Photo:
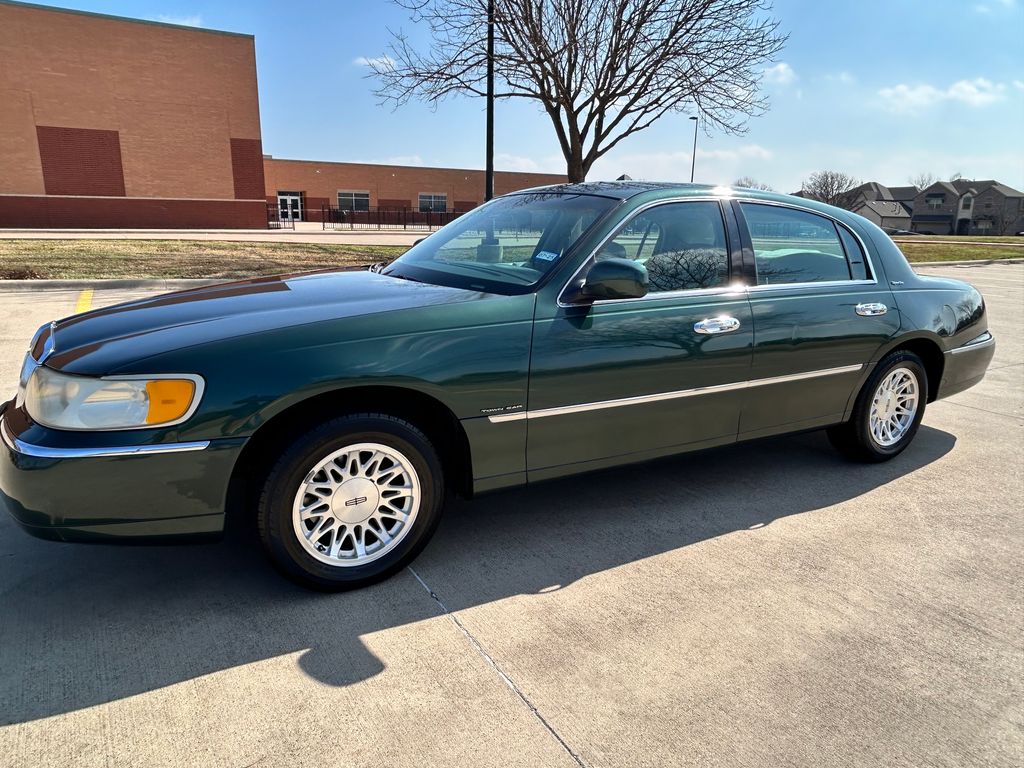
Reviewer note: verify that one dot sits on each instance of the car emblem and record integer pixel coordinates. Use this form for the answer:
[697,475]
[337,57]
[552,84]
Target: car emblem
[354,502]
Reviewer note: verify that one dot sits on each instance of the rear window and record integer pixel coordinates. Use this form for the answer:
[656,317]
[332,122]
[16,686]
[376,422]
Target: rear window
[793,246]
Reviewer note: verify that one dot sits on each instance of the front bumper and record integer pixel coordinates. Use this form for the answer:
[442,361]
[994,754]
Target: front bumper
[966,365]
[106,493]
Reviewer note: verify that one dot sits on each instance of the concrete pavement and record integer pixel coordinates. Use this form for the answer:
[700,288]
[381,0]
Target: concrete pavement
[760,605]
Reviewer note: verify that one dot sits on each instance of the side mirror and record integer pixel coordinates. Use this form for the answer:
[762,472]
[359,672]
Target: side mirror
[614,279]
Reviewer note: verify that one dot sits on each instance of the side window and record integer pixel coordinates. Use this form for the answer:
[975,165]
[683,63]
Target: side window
[682,246]
[792,246]
[855,255]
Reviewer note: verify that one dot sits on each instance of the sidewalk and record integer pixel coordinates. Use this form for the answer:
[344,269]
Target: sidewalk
[304,232]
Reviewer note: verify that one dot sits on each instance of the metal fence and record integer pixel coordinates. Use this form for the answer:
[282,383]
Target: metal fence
[275,220]
[385,218]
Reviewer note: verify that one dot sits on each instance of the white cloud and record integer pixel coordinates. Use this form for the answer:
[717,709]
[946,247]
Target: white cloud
[506,162]
[987,8]
[405,160]
[383,62]
[913,98]
[187,20]
[714,166]
[1019,85]
[780,74]
[844,78]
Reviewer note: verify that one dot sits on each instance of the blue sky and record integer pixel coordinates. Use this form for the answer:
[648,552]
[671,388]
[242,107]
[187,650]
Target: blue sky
[878,89]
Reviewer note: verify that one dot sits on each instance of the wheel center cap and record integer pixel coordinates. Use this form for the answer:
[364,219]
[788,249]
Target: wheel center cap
[355,500]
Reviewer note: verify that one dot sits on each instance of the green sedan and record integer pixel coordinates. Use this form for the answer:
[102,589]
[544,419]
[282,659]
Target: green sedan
[549,332]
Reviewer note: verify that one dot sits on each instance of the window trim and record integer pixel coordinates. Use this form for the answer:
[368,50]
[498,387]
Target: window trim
[756,288]
[419,201]
[353,192]
[732,287]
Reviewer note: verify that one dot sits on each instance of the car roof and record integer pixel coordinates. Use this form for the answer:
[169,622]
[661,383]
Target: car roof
[624,190]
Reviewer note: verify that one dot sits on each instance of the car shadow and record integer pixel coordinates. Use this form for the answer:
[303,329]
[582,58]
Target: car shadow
[83,625]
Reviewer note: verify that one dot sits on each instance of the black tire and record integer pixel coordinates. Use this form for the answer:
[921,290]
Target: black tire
[854,438]
[282,543]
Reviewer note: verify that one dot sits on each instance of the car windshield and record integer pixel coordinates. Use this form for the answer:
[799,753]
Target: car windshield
[505,246]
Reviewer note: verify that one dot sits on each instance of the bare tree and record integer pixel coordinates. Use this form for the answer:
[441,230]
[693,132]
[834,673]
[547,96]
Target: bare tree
[923,180]
[956,176]
[749,182]
[832,187]
[601,70]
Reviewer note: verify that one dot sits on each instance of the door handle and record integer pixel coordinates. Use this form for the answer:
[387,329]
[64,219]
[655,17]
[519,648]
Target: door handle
[871,309]
[721,324]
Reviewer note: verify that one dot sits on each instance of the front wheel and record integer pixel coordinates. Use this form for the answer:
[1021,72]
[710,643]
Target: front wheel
[888,410]
[351,502]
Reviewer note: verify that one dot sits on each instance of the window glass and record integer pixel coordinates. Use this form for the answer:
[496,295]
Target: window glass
[505,246]
[430,202]
[354,201]
[855,255]
[682,246]
[792,246]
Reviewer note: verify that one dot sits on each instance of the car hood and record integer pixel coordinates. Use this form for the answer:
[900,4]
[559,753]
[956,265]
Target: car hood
[99,341]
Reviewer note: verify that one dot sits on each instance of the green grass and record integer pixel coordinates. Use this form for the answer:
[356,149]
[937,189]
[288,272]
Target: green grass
[105,259]
[962,238]
[922,250]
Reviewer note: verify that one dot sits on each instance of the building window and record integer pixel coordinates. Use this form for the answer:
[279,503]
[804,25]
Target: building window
[430,202]
[354,201]
[983,224]
[965,204]
[935,201]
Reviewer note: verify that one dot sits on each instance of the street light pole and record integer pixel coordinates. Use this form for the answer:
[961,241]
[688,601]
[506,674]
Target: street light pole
[489,181]
[693,159]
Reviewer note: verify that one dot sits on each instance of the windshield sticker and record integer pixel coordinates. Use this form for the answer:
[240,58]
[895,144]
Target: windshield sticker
[546,256]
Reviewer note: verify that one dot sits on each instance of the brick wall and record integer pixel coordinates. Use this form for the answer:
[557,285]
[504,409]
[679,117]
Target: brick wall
[391,185]
[100,106]
[80,161]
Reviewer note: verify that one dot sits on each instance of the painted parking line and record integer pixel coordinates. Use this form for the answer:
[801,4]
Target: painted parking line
[84,303]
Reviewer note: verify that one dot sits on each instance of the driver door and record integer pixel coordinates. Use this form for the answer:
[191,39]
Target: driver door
[628,379]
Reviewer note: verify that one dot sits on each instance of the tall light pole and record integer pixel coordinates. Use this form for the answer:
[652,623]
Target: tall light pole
[693,159]
[489,181]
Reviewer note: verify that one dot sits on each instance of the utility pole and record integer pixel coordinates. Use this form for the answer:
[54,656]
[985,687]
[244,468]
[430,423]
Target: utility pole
[693,159]
[489,182]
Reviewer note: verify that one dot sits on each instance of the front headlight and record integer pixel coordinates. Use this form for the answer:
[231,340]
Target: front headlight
[61,401]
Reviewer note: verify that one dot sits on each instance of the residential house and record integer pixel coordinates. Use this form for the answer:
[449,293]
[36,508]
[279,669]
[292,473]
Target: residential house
[888,214]
[935,209]
[968,207]
[904,196]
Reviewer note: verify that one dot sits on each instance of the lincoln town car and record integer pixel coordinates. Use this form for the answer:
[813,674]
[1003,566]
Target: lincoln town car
[548,332]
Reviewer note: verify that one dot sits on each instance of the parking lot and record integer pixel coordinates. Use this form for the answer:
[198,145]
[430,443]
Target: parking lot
[766,604]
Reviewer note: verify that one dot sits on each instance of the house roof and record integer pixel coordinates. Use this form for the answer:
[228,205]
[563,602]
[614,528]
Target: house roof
[903,194]
[886,208]
[872,190]
[941,186]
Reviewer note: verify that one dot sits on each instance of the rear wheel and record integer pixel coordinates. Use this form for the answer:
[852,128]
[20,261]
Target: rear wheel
[888,410]
[351,502]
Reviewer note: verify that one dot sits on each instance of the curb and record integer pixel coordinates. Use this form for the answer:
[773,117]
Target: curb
[966,262]
[67,285]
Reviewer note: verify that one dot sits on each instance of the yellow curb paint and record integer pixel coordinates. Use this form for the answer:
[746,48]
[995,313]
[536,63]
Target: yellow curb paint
[84,303]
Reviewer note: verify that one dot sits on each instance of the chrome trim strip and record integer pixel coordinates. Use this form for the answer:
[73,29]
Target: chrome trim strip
[42,452]
[985,340]
[643,399]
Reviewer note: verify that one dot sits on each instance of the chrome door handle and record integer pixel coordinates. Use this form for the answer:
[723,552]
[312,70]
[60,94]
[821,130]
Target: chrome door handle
[873,308]
[722,324]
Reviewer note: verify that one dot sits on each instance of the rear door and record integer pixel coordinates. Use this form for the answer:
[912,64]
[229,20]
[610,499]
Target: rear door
[820,314]
[628,378]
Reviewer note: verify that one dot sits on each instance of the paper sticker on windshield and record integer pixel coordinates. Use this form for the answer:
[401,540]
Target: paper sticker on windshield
[546,256]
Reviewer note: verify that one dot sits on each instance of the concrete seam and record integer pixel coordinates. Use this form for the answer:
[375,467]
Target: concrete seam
[498,670]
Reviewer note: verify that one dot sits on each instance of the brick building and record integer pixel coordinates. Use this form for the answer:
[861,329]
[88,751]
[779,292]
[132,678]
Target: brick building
[109,122]
[114,122]
[302,188]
